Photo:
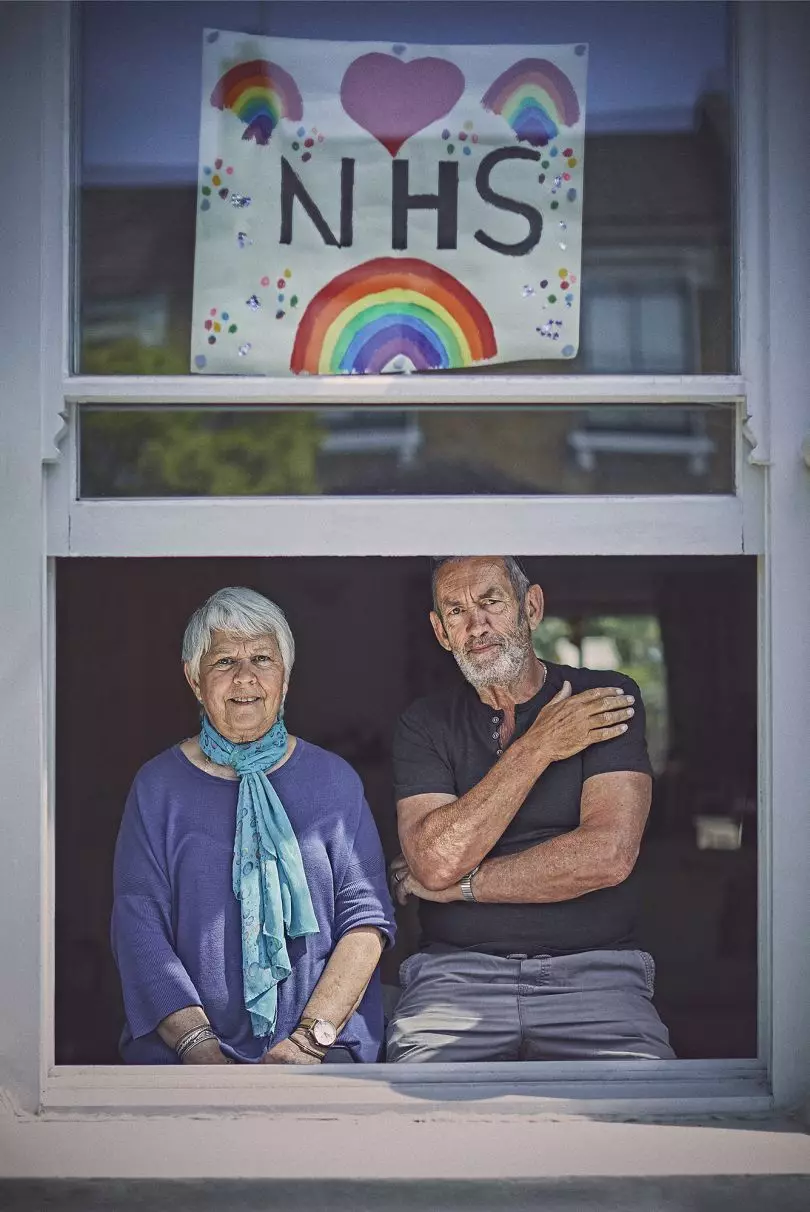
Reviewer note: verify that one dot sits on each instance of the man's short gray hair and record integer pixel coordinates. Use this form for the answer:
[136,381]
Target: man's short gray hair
[517,577]
[242,612]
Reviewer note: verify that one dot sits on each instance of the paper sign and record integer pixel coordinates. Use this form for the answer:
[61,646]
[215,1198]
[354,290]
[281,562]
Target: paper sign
[366,207]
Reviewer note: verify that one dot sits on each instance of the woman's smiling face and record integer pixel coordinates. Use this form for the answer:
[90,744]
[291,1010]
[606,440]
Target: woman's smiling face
[241,685]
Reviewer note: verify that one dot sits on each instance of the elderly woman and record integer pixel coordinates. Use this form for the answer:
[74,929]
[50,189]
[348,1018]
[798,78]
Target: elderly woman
[251,905]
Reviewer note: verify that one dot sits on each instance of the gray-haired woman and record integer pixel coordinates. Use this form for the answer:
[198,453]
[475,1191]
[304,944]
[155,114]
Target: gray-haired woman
[250,905]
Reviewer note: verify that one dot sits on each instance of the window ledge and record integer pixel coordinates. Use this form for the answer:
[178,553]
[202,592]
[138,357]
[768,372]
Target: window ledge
[550,1090]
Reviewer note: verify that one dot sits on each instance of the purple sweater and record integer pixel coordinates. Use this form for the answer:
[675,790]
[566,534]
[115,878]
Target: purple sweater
[176,931]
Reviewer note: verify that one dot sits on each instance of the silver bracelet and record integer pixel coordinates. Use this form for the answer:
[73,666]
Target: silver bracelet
[197,1035]
[190,1035]
[465,884]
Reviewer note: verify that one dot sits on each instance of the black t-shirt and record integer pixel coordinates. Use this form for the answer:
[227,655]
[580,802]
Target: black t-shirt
[447,743]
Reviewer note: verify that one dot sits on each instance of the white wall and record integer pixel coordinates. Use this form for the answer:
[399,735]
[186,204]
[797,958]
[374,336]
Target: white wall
[36,1146]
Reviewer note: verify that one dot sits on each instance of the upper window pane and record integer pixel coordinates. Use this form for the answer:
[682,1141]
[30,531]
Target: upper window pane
[654,289]
[434,451]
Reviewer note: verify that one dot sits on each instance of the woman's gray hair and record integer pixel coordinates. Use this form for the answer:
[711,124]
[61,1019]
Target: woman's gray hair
[243,612]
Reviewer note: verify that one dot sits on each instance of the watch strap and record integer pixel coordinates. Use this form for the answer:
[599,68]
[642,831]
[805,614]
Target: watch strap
[465,885]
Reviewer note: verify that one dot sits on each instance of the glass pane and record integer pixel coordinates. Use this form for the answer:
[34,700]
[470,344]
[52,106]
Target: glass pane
[165,452]
[684,628]
[656,224]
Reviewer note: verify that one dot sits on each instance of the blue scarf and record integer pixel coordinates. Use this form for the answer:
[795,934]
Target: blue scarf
[268,874]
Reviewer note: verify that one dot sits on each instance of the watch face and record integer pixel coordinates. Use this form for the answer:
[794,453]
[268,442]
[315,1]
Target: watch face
[324,1033]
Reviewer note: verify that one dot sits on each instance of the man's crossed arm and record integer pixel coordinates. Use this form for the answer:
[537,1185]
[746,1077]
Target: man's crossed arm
[443,838]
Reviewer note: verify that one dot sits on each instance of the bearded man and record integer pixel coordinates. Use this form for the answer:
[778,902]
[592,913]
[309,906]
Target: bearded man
[522,797]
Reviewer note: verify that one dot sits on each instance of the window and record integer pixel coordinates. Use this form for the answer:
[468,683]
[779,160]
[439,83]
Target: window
[133,320]
[684,629]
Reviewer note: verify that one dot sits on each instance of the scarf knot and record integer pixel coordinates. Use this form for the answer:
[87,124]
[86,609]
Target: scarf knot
[268,874]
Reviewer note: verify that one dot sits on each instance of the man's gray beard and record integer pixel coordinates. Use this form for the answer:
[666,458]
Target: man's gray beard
[503,669]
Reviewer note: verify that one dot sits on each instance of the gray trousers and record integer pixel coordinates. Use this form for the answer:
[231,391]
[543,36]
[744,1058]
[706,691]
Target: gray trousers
[461,1005]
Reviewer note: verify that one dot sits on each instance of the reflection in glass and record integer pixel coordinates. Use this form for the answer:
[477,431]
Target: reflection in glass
[165,452]
[656,270]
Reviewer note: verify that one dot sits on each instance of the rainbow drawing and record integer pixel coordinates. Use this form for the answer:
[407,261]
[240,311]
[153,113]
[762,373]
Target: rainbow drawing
[387,308]
[536,98]
[260,93]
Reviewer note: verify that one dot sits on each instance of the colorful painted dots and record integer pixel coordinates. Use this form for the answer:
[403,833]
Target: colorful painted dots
[216,176]
[282,284]
[306,142]
[462,139]
[217,324]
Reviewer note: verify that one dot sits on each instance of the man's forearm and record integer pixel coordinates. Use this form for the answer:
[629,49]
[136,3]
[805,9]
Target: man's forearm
[560,869]
[455,837]
[345,978]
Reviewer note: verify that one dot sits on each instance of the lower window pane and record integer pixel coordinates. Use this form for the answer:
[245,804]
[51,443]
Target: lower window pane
[683,628]
[188,452]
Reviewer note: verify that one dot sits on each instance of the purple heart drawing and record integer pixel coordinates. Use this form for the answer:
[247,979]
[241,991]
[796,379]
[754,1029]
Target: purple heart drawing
[393,100]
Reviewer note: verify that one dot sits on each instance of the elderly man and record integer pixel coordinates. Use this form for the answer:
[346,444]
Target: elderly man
[521,801]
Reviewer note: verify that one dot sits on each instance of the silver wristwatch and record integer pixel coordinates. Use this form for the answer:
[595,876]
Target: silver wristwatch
[466,885]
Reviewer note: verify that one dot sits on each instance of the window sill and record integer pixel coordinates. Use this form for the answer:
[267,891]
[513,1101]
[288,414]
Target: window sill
[550,1090]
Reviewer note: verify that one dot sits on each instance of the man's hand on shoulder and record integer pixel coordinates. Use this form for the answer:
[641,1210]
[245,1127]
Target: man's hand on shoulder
[570,722]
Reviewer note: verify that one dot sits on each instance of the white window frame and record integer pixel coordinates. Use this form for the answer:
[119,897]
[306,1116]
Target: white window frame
[760,518]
